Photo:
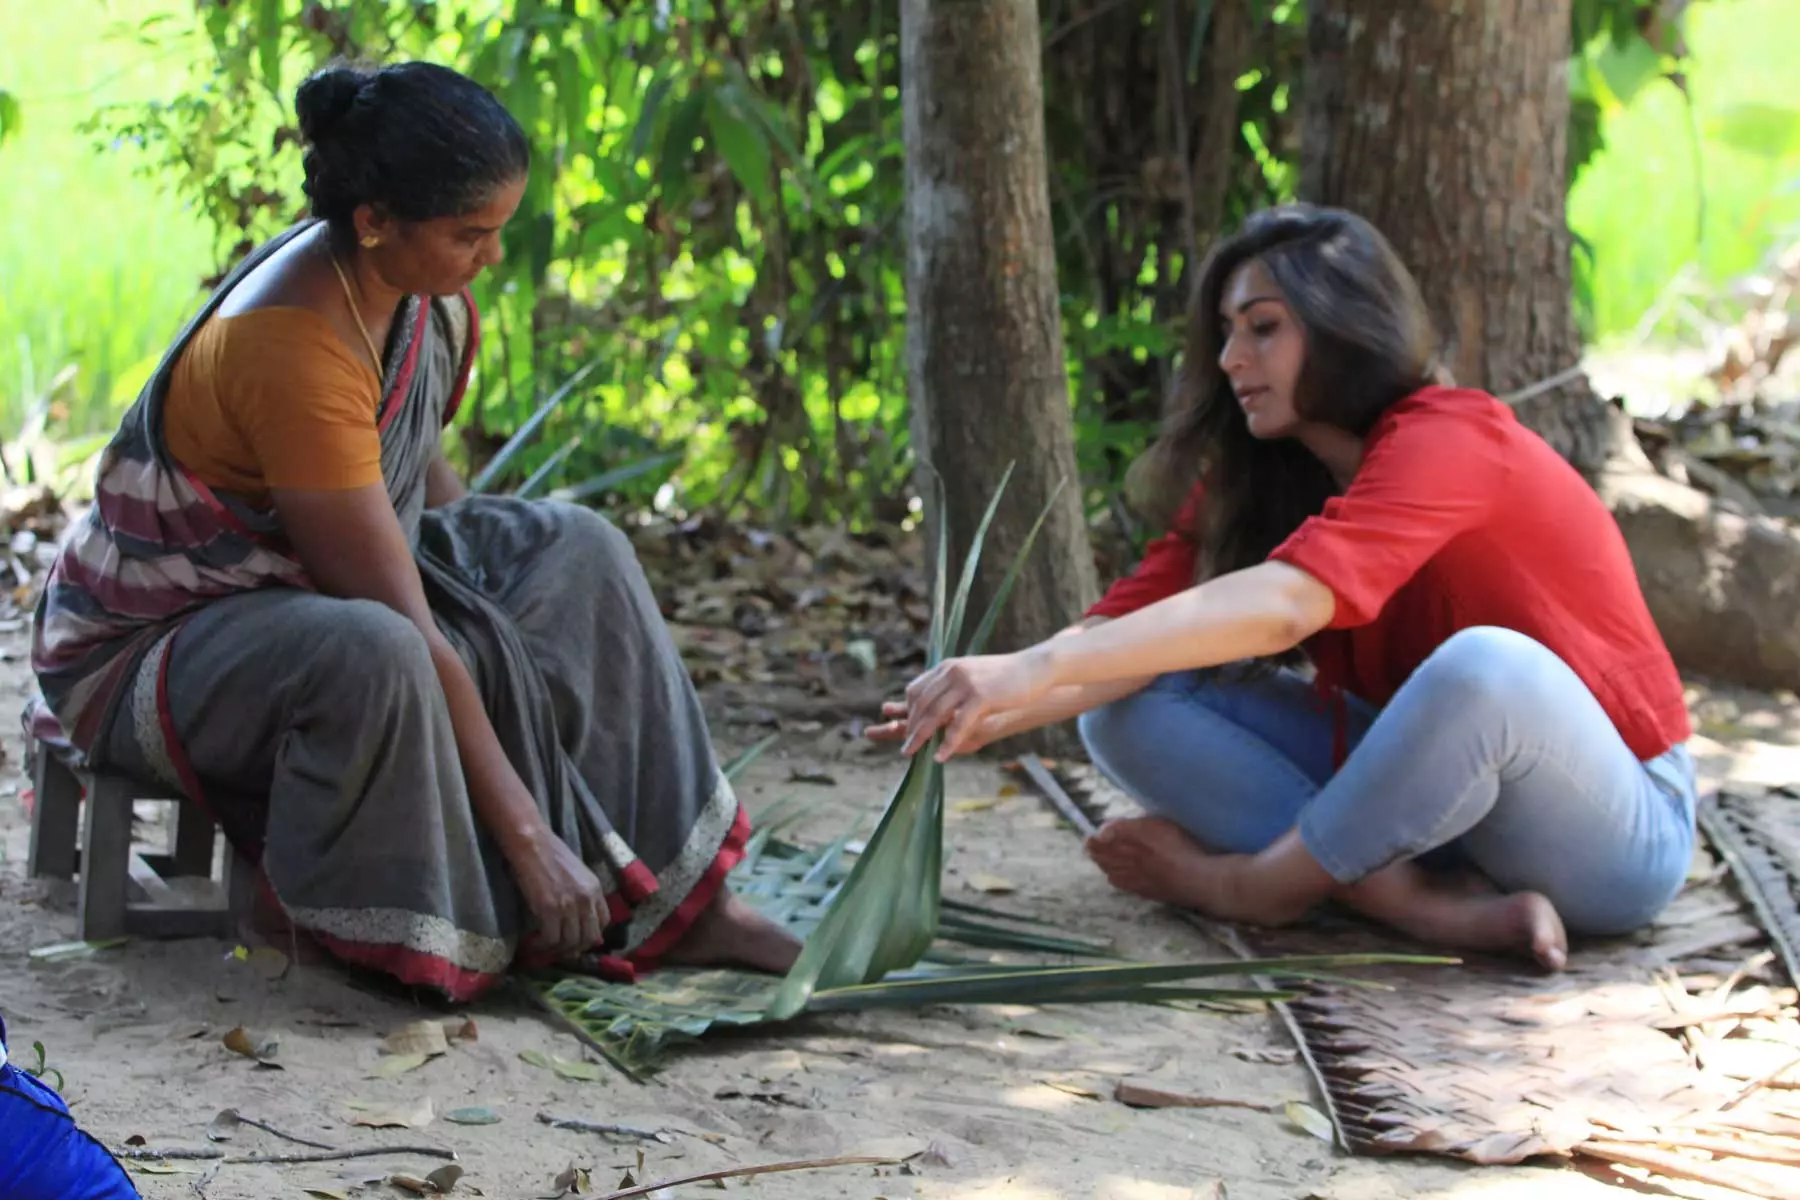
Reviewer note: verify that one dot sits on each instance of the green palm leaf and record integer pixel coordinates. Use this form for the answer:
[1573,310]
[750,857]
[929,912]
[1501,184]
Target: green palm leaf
[874,924]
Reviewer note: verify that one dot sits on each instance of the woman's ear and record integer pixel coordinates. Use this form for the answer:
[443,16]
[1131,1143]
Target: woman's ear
[373,226]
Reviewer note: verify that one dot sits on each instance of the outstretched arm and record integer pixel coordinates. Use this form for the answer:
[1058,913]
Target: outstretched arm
[1258,611]
[1059,704]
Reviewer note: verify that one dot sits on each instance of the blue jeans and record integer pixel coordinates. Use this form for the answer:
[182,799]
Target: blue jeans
[1493,752]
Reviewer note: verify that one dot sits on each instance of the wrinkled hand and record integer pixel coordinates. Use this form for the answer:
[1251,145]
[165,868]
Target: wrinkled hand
[965,696]
[564,896]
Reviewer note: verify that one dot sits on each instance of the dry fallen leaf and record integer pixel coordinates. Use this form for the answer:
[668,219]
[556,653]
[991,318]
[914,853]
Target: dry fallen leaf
[223,1126]
[445,1178]
[585,1072]
[574,1181]
[399,1064]
[993,885]
[269,964]
[440,1182]
[407,1114]
[421,1037]
[260,1047]
[978,805]
[461,1029]
[324,1193]
[1310,1120]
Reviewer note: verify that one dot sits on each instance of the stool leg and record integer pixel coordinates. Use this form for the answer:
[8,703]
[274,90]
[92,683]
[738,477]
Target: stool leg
[106,860]
[56,822]
[193,850]
[240,892]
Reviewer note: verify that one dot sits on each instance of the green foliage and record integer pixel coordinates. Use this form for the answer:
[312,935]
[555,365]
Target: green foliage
[10,116]
[713,223]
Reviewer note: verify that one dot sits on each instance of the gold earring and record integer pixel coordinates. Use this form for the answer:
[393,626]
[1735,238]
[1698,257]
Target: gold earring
[370,242]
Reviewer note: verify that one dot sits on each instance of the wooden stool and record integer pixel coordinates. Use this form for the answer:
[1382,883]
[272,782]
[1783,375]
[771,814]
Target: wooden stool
[122,892]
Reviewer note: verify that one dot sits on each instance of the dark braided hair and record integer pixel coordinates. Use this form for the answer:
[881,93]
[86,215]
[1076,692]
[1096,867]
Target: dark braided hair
[415,140]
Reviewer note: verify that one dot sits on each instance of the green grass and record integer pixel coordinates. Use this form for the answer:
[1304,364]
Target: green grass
[1638,202]
[98,266]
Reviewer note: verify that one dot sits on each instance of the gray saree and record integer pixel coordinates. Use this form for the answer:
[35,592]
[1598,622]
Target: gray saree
[179,639]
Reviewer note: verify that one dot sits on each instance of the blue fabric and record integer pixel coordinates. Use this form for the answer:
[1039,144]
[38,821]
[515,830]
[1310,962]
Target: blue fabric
[1493,753]
[44,1155]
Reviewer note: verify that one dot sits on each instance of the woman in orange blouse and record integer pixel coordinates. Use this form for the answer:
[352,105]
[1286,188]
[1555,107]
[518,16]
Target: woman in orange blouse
[452,729]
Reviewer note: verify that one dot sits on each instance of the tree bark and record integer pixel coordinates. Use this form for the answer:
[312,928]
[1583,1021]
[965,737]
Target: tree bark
[1446,127]
[984,335]
[1444,123]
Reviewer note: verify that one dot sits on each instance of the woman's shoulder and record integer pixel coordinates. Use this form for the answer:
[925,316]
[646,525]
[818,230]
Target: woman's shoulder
[1448,411]
[292,341]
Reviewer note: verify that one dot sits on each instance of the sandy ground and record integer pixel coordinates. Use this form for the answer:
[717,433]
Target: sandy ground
[136,1034]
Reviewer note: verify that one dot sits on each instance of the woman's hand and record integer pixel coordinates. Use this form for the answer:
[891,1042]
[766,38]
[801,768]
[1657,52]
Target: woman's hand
[562,893]
[967,696]
[893,728]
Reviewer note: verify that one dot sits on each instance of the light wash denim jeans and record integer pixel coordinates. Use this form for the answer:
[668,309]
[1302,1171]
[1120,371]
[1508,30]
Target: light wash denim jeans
[1493,753]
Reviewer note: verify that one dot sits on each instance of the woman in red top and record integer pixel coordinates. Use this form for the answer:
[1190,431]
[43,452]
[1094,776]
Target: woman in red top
[1488,688]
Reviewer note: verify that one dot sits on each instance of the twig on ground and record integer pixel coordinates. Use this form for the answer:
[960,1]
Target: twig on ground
[153,1154]
[1756,1085]
[811,1164]
[241,1119]
[581,1126]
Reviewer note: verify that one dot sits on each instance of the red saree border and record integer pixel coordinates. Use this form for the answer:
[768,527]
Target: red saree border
[649,954]
[414,968]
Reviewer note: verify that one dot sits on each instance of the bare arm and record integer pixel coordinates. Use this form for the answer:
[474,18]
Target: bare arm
[352,546]
[1258,611]
[1261,610]
[1059,704]
[442,483]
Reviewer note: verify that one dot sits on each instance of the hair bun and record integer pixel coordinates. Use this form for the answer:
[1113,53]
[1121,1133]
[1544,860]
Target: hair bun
[325,99]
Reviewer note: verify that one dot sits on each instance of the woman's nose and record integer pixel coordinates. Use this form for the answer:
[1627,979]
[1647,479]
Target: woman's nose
[1231,355]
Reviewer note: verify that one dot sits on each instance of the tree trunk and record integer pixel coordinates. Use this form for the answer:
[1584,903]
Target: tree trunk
[1446,127]
[984,336]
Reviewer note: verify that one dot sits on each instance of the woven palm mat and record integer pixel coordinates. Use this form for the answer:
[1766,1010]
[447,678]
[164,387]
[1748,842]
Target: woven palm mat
[1674,1054]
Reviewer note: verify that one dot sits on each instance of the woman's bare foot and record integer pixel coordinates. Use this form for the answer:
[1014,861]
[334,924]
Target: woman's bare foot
[1406,897]
[731,933]
[1156,859]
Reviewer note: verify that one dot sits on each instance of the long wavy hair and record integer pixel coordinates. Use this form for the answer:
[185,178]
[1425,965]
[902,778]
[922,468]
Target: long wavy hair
[1368,344]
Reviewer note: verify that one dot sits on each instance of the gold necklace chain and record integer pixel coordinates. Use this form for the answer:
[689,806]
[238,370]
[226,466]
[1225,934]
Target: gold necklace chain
[374,354]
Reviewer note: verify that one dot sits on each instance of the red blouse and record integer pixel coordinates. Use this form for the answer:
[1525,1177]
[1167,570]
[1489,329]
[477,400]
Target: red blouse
[1461,516]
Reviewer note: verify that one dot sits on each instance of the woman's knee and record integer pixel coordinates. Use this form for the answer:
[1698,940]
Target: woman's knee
[1118,732]
[375,649]
[1490,665]
[589,532]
